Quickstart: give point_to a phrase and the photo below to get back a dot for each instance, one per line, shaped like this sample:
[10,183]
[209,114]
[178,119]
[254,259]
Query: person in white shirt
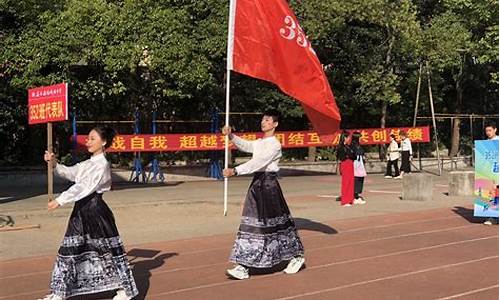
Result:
[91,258]
[490,129]
[392,159]
[267,234]
[406,153]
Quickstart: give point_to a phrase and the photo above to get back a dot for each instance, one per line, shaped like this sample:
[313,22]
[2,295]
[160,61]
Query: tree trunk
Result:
[385,105]
[455,133]
[311,156]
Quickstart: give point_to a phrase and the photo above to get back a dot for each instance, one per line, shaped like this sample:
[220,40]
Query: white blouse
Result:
[92,175]
[266,154]
[406,145]
[393,151]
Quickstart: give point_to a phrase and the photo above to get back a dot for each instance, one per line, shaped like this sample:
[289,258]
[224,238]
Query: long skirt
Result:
[405,161]
[267,233]
[358,186]
[91,258]
[347,182]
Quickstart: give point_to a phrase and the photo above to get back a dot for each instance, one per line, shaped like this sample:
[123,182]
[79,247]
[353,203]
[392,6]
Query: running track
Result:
[434,254]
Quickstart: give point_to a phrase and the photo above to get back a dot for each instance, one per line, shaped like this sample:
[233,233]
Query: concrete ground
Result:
[178,244]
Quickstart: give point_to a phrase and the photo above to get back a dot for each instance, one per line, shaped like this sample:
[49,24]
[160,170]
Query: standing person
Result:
[91,258]
[267,234]
[490,130]
[346,156]
[392,159]
[359,168]
[406,154]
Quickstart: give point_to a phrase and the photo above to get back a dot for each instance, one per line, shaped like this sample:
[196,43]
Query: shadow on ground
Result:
[468,214]
[143,261]
[306,224]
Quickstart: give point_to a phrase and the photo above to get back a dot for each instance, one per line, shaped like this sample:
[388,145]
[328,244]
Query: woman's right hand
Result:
[49,157]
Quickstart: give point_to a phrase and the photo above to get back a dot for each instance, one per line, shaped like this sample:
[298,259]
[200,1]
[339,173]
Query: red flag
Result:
[267,42]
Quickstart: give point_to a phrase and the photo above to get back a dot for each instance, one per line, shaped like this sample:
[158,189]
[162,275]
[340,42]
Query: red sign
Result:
[288,139]
[48,104]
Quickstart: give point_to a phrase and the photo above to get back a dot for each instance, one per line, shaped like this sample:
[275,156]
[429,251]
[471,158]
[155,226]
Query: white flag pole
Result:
[229,67]
[226,146]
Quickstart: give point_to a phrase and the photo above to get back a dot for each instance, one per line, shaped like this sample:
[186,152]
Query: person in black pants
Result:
[392,159]
[406,153]
[359,168]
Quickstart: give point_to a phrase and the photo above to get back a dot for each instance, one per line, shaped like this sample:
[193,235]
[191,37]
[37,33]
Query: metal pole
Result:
[229,66]
[416,112]
[418,95]
[433,118]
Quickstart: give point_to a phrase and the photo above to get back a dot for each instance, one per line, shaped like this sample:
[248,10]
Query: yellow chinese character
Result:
[379,136]
[296,139]
[208,141]
[118,143]
[415,134]
[364,136]
[41,111]
[280,137]
[188,142]
[223,141]
[137,143]
[60,112]
[336,140]
[395,132]
[53,109]
[33,112]
[158,142]
[313,138]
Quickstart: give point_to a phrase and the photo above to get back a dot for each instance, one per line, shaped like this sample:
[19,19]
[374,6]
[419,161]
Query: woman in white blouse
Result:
[267,235]
[91,258]
[406,153]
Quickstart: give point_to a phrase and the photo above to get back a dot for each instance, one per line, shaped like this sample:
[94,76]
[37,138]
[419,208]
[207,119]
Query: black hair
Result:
[491,124]
[106,133]
[402,133]
[393,136]
[355,137]
[343,136]
[273,113]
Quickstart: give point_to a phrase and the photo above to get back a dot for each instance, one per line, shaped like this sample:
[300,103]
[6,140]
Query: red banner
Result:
[288,139]
[48,104]
[267,42]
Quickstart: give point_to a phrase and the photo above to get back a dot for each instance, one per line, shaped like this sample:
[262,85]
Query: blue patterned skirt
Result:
[267,233]
[91,258]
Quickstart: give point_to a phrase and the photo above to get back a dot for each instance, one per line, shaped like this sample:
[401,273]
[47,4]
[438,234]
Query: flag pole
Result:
[229,66]
[226,140]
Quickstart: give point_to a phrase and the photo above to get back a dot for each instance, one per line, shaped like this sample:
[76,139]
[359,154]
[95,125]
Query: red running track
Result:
[434,254]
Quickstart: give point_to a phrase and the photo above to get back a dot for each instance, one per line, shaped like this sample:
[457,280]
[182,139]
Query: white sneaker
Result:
[295,265]
[121,295]
[52,297]
[238,272]
[346,205]
[398,177]
[359,201]
[388,177]
[488,222]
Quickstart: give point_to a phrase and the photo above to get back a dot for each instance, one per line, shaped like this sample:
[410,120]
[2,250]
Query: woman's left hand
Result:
[228,172]
[52,205]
